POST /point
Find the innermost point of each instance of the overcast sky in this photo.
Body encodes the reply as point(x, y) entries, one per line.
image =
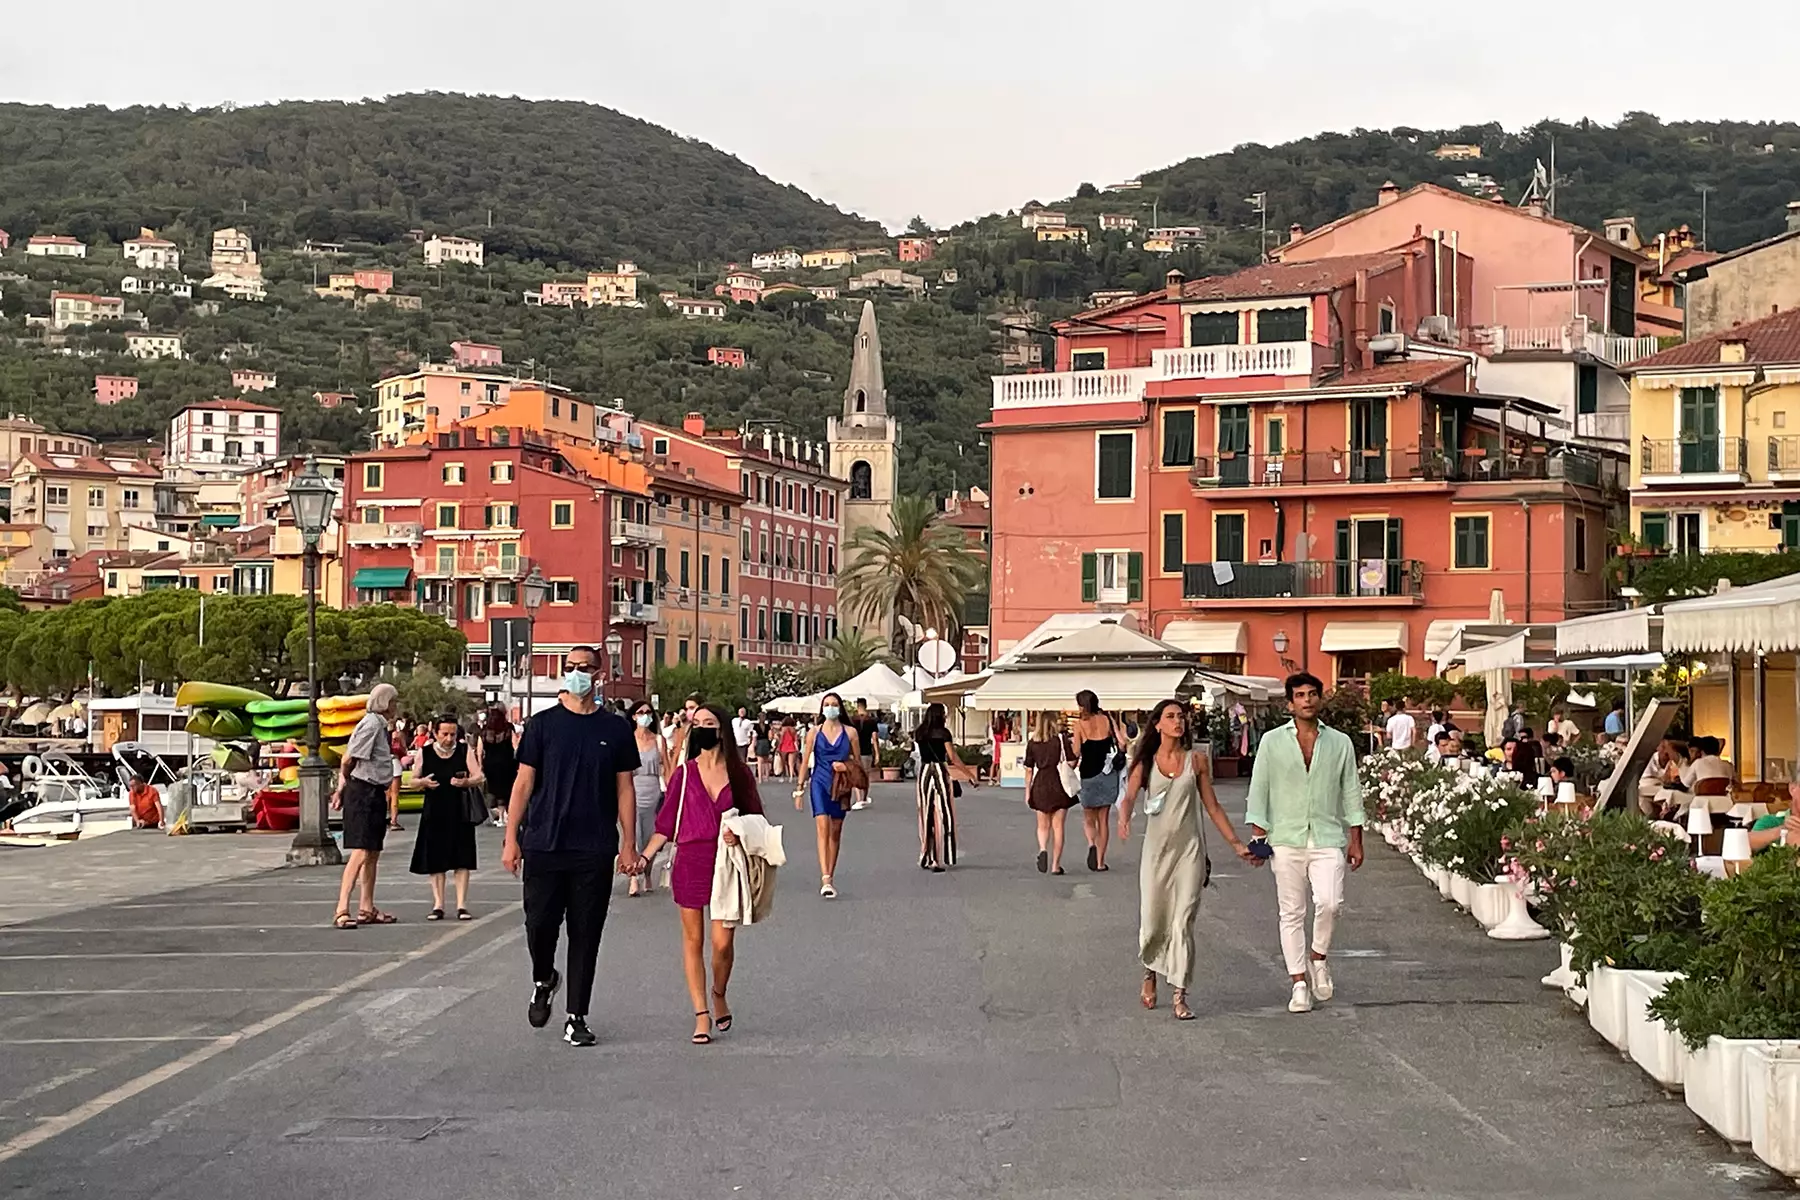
point(952, 108)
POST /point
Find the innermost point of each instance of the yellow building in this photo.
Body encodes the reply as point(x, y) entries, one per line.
point(1716, 430)
point(827, 260)
point(403, 402)
point(692, 545)
point(86, 503)
point(1063, 233)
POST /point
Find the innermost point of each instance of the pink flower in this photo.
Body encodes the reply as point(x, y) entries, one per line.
point(1656, 854)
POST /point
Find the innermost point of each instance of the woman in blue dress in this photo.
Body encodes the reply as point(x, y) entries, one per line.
point(829, 745)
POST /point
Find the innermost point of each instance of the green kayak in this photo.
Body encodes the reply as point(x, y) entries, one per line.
point(263, 708)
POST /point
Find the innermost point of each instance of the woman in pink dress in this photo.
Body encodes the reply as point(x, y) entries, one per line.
point(710, 783)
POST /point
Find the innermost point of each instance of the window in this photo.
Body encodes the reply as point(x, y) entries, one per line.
point(372, 477)
point(206, 445)
point(55, 496)
point(128, 498)
point(1581, 544)
point(1228, 537)
point(1688, 533)
point(1112, 577)
point(762, 624)
point(1275, 436)
point(681, 650)
point(574, 410)
point(206, 418)
point(1113, 465)
point(96, 497)
point(1790, 525)
point(1390, 320)
point(465, 387)
point(1087, 360)
point(618, 557)
point(662, 652)
point(659, 446)
point(1470, 535)
point(446, 516)
point(1587, 388)
point(1653, 530)
point(371, 514)
point(500, 472)
point(706, 572)
point(1281, 325)
point(556, 406)
point(453, 472)
point(862, 480)
point(505, 592)
point(725, 576)
point(637, 659)
point(446, 560)
point(1178, 437)
point(1213, 329)
point(830, 559)
point(502, 516)
point(744, 543)
point(564, 591)
point(744, 623)
point(703, 648)
point(1174, 542)
point(683, 578)
point(562, 514)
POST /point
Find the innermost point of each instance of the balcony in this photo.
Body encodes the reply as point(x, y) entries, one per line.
point(635, 533)
point(633, 612)
point(1375, 580)
point(1574, 337)
point(1784, 459)
point(471, 564)
point(384, 533)
point(1232, 362)
point(1664, 461)
point(1054, 389)
point(1472, 464)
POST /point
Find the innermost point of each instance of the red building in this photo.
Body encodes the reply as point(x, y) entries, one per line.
point(110, 389)
point(474, 354)
point(455, 524)
point(370, 279)
point(727, 356)
point(916, 249)
point(1266, 470)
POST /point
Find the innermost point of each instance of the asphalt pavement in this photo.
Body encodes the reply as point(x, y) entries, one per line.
point(973, 1033)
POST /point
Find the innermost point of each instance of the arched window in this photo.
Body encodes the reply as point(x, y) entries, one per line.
point(744, 623)
point(862, 400)
point(862, 480)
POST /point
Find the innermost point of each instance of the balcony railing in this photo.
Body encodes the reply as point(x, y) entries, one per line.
point(471, 565)
point(1784, 457)
point(1672, 458)
point(1571, 337)
point(636, 612)
point(1050, 389)
point(1317, 468)
point(384, 533)
point(1232, 362)
point(632, 532)
point(1375, 578)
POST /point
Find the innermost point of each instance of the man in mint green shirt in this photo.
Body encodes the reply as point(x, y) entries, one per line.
point(1305, 798)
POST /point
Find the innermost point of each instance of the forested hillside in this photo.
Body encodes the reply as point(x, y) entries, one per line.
point(565, 183)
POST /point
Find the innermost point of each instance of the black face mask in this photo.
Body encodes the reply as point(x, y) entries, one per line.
point(702, 738)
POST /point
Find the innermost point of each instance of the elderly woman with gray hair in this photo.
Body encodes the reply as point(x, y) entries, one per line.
point(361, 793)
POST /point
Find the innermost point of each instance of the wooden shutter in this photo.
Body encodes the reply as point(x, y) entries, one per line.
point(1394, 548)
point(1134, 576)
point(1090, 578)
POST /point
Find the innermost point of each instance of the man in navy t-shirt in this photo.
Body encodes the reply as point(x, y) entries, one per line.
point(573, 812)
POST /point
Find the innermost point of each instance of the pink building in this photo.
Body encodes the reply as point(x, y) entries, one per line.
point(110, 389)
point(916, 249)
point(334, 399)
point(564, 293)
point(744, 285)
point(727, 356)
point(371, 280)
point(474, 354)
point(5, 241)
point(1531, 271)
point(245, 380)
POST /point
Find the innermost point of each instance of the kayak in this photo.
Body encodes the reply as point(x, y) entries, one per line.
point(201, 722)
point(275, 722)
point(195, 694)
point(229, 723)
point(260, 708)
point(337, 703)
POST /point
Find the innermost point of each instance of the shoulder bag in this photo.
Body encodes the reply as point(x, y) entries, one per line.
point(680, 800)
point(1066, 771)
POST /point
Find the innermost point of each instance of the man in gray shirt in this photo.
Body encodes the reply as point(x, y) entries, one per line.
point(362, 795)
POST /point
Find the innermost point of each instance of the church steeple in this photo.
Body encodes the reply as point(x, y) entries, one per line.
point(866, 395)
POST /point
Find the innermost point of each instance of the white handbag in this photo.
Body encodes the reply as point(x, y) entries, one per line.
point(1065, 770)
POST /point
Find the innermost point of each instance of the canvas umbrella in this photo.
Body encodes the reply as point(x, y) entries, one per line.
point(1499, 682)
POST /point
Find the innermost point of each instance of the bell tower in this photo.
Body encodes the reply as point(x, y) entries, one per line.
point(865, 453)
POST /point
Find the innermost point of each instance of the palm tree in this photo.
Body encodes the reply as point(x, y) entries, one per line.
point(921, 568)
point(847, 655)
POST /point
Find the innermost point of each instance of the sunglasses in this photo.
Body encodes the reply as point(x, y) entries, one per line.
point(584, 668)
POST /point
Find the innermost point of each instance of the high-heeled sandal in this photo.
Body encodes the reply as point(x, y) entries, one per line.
point(703, 1039)
point(722, 1024)
point(1147, 995)
point(1180, 1007)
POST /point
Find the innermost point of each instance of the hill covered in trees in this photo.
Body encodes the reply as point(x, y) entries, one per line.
point(561, 182)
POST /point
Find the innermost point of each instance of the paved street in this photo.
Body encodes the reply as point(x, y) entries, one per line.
point(973, 1033)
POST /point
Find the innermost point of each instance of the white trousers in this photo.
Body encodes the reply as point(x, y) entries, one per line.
point(1298, 869)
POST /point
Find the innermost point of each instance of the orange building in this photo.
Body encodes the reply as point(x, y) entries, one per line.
point(1280, 479)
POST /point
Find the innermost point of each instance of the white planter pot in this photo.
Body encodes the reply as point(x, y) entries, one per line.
point(1442, 878)
point(1462, 890)
point(1772, 1093)
point(1515, 924)
point(1490, 903)
point(1651, 1044)
point(1717, 1089)
point(1606, 1005)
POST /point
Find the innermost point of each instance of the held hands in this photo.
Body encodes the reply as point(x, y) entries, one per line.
point(1243, 852)
point(631, 862)
point(337, 798)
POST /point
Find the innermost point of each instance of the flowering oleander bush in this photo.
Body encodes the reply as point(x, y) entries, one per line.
point(1459, 822)
point(1390, 780)
point(1541, 850)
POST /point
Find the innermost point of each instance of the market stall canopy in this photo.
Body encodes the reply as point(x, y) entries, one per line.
point(1440, 634)
point(953, 687)
point(879, 685)
point(1757, 617)
point(1531, 647)
point(37, 714)
point(1126, 669)
point(1633, 631)
point(1208, 637)
point(1061, 625)
point(1343, 637)
point(1218, 684)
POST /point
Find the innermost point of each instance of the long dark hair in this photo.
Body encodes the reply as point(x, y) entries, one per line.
point(840, 706)
point(932, 726)
point(743, 784)
point(497, 724)
point(1151, 741)
point(1087, 702)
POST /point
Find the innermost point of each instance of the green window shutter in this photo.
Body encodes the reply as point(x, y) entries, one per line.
point(1342, 548)
point(1134, 576)
point(1090, 578)
point(1174, 547)
point(1394, 546)
point(1653, 530)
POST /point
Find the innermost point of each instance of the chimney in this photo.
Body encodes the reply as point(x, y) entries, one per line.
point(1172, 284)
point(1390, 192)
point(694, 424)
point(1733, 350)
point(1534, 206)
point(1296, 231)
point(1793, 215)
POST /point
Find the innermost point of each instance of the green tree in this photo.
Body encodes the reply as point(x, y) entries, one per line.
point(425, 694)
point(920, 569)
point(721, 681)
point(845, 656)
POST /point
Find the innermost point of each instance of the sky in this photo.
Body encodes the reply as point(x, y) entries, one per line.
point(950, 109)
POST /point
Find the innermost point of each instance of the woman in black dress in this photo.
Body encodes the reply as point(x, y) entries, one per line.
point(446, 841)
point(497, 762)
point(1044, 793)
point(939, 771)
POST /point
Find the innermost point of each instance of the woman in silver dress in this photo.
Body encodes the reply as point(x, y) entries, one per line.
point(649, 781)
point(1176, 781)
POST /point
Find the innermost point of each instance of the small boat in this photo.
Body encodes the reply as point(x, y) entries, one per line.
point(66, 803)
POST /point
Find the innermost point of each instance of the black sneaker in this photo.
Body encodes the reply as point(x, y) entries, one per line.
point(576, 1032)
point(538, 1012)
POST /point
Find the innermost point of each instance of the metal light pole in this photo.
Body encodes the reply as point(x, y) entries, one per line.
point(615, 650)
point(537, 590)
point(310, 498)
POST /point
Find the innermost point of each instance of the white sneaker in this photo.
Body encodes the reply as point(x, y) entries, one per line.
point(859, 806)
point(1301, 1001)
point(1318, 974)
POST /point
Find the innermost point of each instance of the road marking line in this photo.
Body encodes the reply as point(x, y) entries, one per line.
point(189, 954)
point(55, 1126)
point(82, 1041)
point(48, 1085)
point(139, 932)
point(152, 991)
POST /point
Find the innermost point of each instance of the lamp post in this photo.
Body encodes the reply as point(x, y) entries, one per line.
point(615, 649)
point(537, 590)
point(310, 498)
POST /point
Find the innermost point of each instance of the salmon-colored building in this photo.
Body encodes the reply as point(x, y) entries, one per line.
point(110, 389)
point(1267, 470)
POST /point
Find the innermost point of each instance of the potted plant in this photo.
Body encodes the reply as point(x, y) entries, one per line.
point(890, 762)
point(1737, 1008)
point(1541, 852)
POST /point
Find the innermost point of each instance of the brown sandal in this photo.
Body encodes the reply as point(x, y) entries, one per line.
point(343, 920)
point(374, 916)
point(1182, 1011)
point(1148, 995)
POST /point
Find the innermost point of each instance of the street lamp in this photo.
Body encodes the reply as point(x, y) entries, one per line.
point(615, 649)
point(537, 590)
point(310, 499)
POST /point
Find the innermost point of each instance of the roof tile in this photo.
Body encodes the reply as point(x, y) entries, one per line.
point(1773, 339)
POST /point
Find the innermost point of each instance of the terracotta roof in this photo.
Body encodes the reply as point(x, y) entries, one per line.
point(1685, 260)
point(55, 239)
point(1417, 371)
point(1773, 339)
point(232, 403)
point(86, 464)
point(148, 241)
point(1290, 279)
point(54, 296)
point(131, 559)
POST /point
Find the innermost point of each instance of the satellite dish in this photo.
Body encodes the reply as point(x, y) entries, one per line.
point(937, 656)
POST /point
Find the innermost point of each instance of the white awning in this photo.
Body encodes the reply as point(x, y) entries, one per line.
point(1439, 635)
point(1209, 637)
point(952, 688)
point(1341, 637)
point(1054, 690)
point(1613, 662)
point(1763, 616)
point(1633, 631)
point(1502, 655)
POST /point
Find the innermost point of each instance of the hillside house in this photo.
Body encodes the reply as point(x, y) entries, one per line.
point(244, 379)
point(5, 241)
point(1110, 222)
point(785, 259)
point(614, 289)
point(79, 308)
point(335, 399)
point(399, 300)
point(55, 245)
point(340, 285)
point(1042, 218)
point(827, 260)
point(1063, 233)
point(475, 354)
point(223, 432)
point(110, 389)
point(153, 345)
point(727, 356)
point(151, 253)
point(741, 285)
point(373, 279)
point(1743, 285)
point(884, 278)
point(237, 287)
point(233, 253)
point(916, 249)
point(440, 250)
point(697, 308)
point(563, 293)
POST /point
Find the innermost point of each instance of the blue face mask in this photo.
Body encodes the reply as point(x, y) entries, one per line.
point(578, 683)
point(833, 712)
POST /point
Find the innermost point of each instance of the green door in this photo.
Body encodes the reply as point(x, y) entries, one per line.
point(1699, 430)
point(1234, 444)
point(1368, 441)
